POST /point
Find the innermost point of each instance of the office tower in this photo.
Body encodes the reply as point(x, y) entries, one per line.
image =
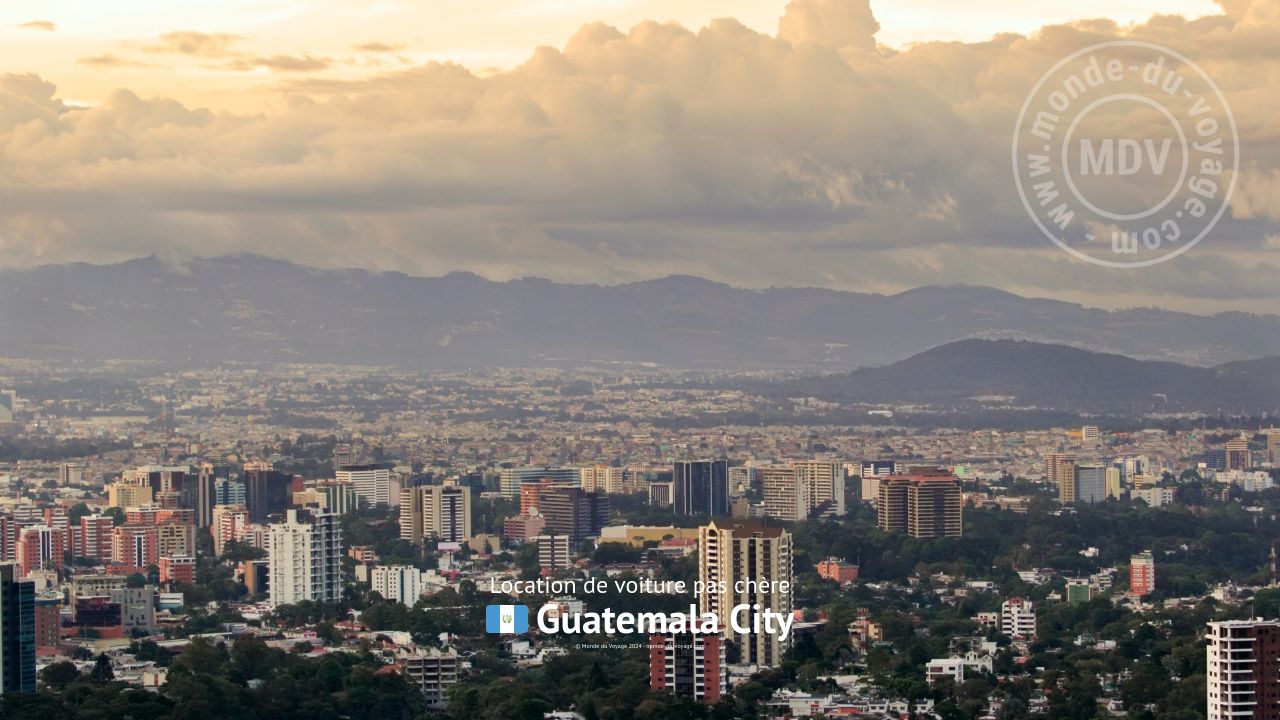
point(1142, 574)
point(160, 478)
point(1114, 487)
point(1018, 619)
point(17, 631)
point(1060, 472)
point(752, 564)
point(1243, 670)
point(574, 512)
point(1273, 445)
point(701, 487)
point(441, 511)
point(305, 559)
point(123, 494)
point(268, 491)
point(398, 583)
point(601, 478)
point(371, 482)
point(329, 496)
point(689, 665)
point(39, 547)
point(554, 552)
point(1090, 435)
point(1238, 454)
point(94, 540)
point(214, 486)
point(661, 494)
point(1090, 483)
point(510, 480)
point(1215, 458)
point(70, 474)
point(926, 504)
point(135, 546)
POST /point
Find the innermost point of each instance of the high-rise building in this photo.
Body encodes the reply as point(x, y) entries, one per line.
point(574, 512)
point(135, 546)
point(331, 496)
point(752, 564)
point(17, 631)
point(1273, 445)
point(39, 547)
point(802, 490)
point(601, 479)
point(1090, 435)
point(215, 485)
point(1243, 670)
point(70, 474)
point(1142, 574)
point(175, 539)
point(1060, 472)
point(305, 559)
point(1238, 454)
point(433, 670)
point(398, 583)
point(701, 487)
point(180, 569)
point(689, 665)
point(1090, 483)
point(554, 553)
point(511, 480)
point(441, 511)
point(1018, 619)
point(371, 482)
point(94, 541)
point(230, 522)
point(925, 504)
point(268, 491)
point(124, 494)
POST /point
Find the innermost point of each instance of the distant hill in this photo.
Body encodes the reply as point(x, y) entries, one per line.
point(978, 372)
point(247, 307)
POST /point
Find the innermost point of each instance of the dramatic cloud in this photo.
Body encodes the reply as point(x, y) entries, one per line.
point(43, 25)
point(810, 157)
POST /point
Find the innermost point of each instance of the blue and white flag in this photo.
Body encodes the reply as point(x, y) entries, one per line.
point(506, 619)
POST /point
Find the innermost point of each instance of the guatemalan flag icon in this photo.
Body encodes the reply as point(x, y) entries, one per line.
point(506, 619)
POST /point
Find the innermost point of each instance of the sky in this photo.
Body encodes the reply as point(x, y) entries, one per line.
point(833, 143)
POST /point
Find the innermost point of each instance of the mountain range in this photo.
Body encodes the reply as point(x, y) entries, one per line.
point(252, 308)
point(994, 373)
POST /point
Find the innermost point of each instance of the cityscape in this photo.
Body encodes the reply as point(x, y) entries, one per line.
point(640, 360)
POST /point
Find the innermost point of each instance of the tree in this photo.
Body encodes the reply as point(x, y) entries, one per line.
point(102, 672)
point(59, 675)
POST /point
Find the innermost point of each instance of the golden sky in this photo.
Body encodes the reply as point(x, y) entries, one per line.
point(90, 47)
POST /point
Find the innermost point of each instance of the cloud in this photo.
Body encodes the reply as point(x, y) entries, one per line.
point(809, 157)
point(198, 44)
point(379, 47)
point(832, 23)
point(43, 25)
point(108, 60)
point(283, 63)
